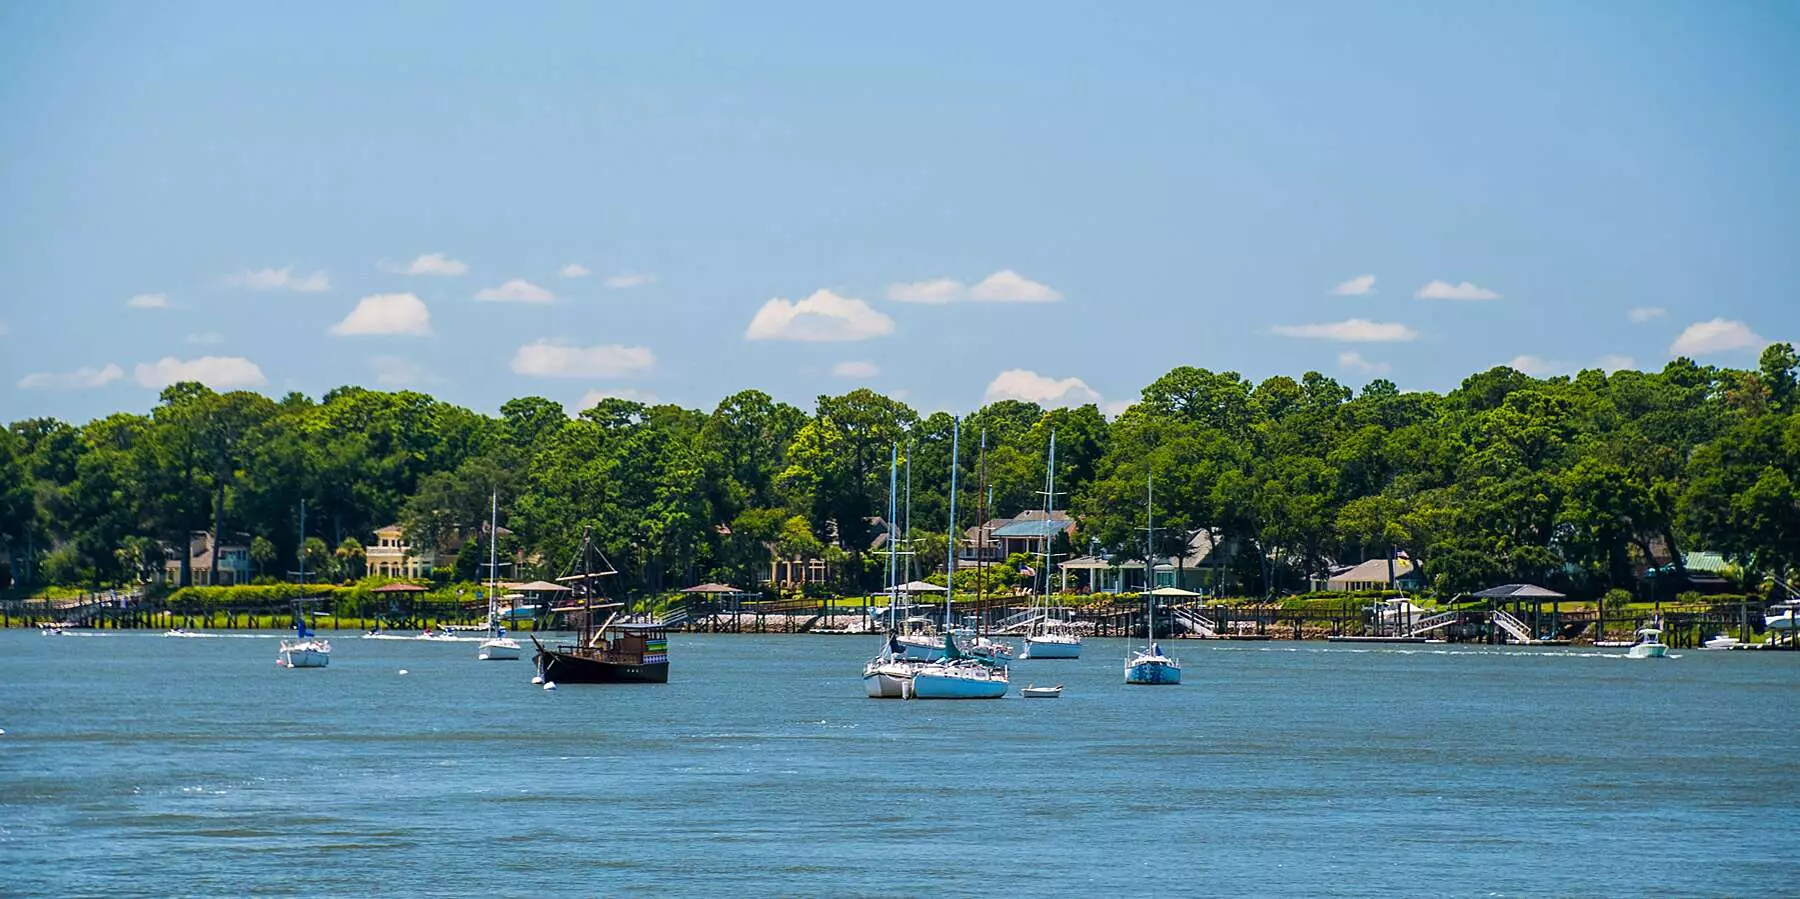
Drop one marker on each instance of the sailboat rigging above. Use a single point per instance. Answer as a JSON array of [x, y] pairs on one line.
[[1150, 666], [498, 647]]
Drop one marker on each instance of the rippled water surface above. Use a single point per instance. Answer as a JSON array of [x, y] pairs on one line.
[[134, 763]]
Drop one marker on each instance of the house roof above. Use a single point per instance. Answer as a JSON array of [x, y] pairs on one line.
[[1373, 571], [1035, 528], [1521, 591]]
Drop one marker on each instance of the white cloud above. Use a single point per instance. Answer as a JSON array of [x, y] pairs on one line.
[[1645, 313], [395, 371], [1361, 285], [575, 270], [429, 264], [1020, 384], [386, 313], [283, 278], [149, 301], [1004, 286], [1008, 286], [552, 359], [855, 370], [629, 279], [206, 338], [79, 379], [1354, 361], [1353, 330], [1535, 366], [1115, 408], [822, 317], [1613, 362], [936, 291], [518, 290], [593, 397], [1716, 336], [1444, 290], [217, 372]]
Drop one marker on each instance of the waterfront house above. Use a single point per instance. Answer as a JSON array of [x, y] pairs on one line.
[[392, 555], [997, 538], [232, 561], [1373, 575], [1201, 568]]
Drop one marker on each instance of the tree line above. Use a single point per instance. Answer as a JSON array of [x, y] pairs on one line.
[[1576, 482]]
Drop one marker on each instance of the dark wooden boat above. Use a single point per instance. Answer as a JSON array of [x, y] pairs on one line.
[[616, 654]]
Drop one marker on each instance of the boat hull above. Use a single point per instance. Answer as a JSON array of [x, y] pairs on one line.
[[1155, 672], [498, 651], [305, 656], [569, 668], [936, 685], [889, 681], [1648, 651], [1042, 648], [922, 649]]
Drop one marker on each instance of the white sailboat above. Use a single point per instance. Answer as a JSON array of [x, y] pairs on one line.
[[1051, 636], [957, 675], [1150, 667], [889, 674], [306, 650], [498, 647]]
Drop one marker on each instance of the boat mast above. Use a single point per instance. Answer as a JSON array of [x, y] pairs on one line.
[[493, 558], [950, 563], [1049, 506], [1149, 563], [893, 565], [981, 496], [302, 544], [907, 526]]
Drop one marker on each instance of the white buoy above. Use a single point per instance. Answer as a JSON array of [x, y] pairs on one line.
[[537, 679], [404, 672], [549, 685]]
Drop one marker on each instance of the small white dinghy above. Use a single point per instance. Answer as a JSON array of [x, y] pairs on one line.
[[1033, 691]]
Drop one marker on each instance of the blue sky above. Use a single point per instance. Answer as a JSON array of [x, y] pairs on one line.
[[945, 203]]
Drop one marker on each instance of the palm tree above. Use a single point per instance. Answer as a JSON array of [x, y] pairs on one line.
[[351, 557], [262, 552]]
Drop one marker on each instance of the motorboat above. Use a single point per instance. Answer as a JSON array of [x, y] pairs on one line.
[[1649, 644], [1033, 691], [1722, 641], [988, 650]]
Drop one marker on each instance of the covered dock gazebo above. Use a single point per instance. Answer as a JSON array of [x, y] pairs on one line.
[[1521, 595]]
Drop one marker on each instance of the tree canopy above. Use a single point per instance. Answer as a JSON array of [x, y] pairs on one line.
[[1581, 482]]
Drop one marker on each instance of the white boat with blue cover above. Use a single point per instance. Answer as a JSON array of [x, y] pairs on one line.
[[1152, 668]]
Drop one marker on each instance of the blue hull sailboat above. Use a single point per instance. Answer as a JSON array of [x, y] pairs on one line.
[[1150, 667]]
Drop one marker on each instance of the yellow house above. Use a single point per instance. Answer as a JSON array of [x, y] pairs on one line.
[[391, 556]]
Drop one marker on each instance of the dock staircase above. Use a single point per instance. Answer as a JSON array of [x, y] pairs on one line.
[[1194, 622], [1513, 627], [1431, 623], [1013, 625]]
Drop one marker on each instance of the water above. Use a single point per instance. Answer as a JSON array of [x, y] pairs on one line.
[[134, 763]]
